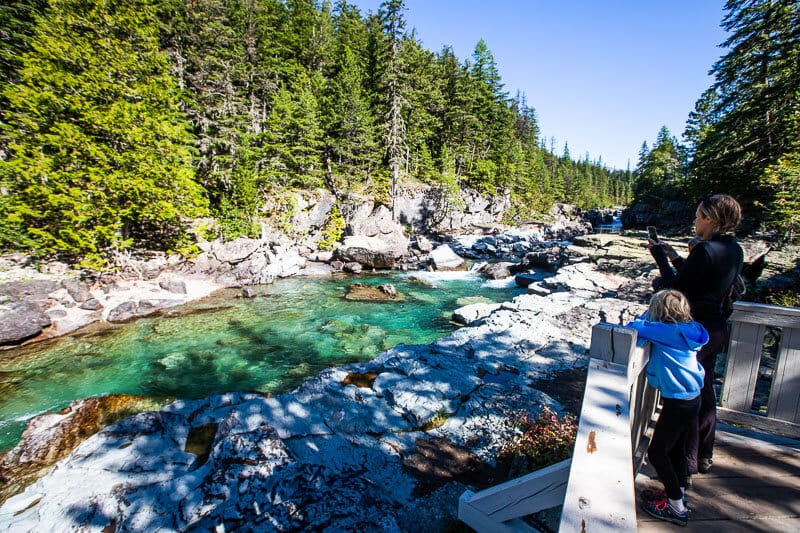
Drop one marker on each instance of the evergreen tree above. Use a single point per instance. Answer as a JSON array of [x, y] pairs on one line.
[[756, 97], [661, 170], [393, 23], [100, 152]]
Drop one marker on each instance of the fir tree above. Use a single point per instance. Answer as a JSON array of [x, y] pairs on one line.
[[100, 152]]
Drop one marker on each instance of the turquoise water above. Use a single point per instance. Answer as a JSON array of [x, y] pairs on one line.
[[293, 329]]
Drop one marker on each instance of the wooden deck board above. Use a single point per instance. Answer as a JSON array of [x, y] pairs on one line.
[[753, 485]]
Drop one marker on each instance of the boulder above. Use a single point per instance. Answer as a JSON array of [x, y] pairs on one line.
[[548, 260], [444, 258], [375, 241], [496, 270], [423, 244], [316, 269], [352, 268], [379, 222], [52, 436], [132, 309], [173, 285], [22, 321], [470, 314], [77, 289], [373, 252], [92, 304], [16, 291], [235, 251]]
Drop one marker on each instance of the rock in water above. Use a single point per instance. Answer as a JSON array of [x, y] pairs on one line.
[[52, 436], [444, 258], [362, 292]]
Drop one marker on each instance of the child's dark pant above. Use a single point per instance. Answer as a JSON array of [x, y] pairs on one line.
[[667, 451], [701, 439]]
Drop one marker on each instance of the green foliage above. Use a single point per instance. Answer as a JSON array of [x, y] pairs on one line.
[[747, 122], [661, 172], [787, 298], [123, 119], [782, 180], [543, 442], [99, 149], [333, 231]]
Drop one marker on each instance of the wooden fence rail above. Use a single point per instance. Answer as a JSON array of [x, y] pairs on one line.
[[596, 486]]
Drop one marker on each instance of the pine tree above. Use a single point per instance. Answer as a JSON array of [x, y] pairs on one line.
[[100, 152], [756, 97], [391, 15]]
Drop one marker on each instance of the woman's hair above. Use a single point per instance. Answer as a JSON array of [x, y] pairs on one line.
[[723, 210], [669, 306]]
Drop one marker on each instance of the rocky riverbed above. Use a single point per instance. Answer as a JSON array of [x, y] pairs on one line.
[[386, 445]]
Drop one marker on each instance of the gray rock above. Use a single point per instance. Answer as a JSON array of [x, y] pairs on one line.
[[177, 286], [123, 312], [77, 289], [235, 251], [444, 258], [352, 268], [496, 270], [17, 291], [22, 321], [131, 309], [424, 244], [91, 304], [373, 252], [470, 314], [248, 292], [316, 269]]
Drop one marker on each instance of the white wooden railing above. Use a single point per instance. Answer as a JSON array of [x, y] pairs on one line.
[[749, 325], [596, 486]]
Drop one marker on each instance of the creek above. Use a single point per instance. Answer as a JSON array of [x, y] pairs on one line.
[[271, 343]]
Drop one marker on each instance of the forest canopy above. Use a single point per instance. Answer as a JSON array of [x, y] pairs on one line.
[[122, 120], [743, 136]]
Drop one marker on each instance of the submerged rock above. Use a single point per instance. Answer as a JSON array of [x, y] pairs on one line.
[[362, 292], [51, 437]]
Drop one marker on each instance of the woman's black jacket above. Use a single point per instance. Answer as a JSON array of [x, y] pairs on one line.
[[705, 277]]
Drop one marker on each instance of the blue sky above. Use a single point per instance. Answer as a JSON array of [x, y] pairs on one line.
[[603, 75]]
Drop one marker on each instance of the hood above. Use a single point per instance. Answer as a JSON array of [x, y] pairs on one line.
[[682, 336]]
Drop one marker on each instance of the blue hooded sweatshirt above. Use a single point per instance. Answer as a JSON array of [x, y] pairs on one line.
[[673, 368]]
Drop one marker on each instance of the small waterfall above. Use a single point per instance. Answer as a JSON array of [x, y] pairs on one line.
[[476, 267]]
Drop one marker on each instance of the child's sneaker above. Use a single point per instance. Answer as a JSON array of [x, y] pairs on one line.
[[650, 495], [662, 510]]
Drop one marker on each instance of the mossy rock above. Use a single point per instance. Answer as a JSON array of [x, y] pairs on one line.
[[361, 292]]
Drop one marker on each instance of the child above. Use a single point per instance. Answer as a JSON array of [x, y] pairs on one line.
[[673, 369]]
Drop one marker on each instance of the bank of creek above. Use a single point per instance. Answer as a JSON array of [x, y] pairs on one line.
[[381, 431]]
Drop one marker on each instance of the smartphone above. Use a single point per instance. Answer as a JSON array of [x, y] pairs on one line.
[[652, 233]]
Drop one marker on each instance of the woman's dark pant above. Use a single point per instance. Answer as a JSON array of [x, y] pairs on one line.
[[700, 444], [667, 451]]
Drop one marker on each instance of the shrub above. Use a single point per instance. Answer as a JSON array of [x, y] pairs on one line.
[[333, 231], [543, 442]]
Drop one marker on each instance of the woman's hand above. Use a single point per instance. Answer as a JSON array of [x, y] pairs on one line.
[[669, 251]]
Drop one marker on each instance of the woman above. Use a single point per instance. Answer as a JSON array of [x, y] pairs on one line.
[[705, 277]]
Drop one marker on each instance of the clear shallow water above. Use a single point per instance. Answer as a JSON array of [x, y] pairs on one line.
[[293, 329]]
